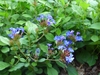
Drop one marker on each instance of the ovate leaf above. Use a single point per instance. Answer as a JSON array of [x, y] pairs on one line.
[[5, 50], [94, 38], [42, 60], [44, 48], [61, 64], [95, 26], [31, 27], [49, 37], [51, 71], [72, 70], [4, 41], [45, 3], [16, 67], [3, 65], [92, 60]]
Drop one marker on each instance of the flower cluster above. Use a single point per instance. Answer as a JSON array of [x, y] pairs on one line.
[[15, 31], [46, 19], [65, 45]]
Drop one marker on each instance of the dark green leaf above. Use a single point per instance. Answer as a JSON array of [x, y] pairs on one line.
[[61, 64], [51, 71], [71, 70]]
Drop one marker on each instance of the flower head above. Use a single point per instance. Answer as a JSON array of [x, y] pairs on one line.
[[15, 31], [59, 38], [69, 58], [46, 18]]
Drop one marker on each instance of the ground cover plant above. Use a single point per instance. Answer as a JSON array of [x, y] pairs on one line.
[[45, 36]]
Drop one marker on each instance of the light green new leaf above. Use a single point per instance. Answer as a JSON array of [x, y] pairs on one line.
[[44, 48], [94, 38], [31, 27], [5, 50], [4, 41], [95, 26], [51, 71], [3, 65], [71, 70], [49, 37]]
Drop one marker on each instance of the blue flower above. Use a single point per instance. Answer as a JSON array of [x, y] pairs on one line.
[[67, 42], [78, 38], [37, 52], [70, 33], [69, 58], [47, 18], [59, 38], [61, 47], [15, 31], [70, 49], [49, 45]]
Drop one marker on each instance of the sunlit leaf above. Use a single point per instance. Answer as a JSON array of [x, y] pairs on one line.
[[3, 65]]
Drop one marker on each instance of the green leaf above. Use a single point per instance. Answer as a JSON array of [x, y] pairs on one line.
[[42, 60], [92, 60], [27, 15], [45, 3], [61, 64], [44, 48], [20, 22], [58, 31], [34, 64], [51, 71], [4, 41], [16, 67], [71, 70], [95, 26], [18, 72], [23, 40], [3, 65], [58, 21], [94, 38], [48, 63], [31, 27], [78, 11], [22, 60], [84, 5], [5, 50], [27, 64], [1, 24], [63, 2], [49, 37]]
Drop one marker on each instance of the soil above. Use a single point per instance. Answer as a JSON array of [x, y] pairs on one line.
[[85, 69]]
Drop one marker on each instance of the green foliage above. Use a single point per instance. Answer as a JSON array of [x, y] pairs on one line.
[[19, 55]]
